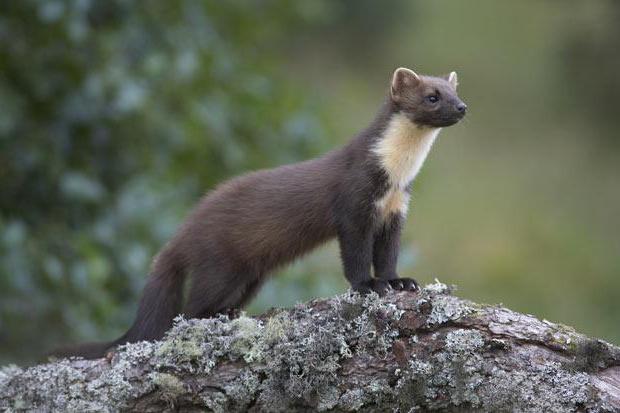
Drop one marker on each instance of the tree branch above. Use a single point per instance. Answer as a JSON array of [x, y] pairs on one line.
[[406, 352]]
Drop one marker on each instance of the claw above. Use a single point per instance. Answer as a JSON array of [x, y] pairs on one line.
[[382, 286], [405, 284], [397, 284]]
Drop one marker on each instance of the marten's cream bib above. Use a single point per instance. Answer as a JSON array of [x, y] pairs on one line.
[[401, 152]]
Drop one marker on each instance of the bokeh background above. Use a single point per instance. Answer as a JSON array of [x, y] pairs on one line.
[[116, 116]]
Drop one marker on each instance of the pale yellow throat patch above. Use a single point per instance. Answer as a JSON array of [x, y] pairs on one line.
[[401, 152]]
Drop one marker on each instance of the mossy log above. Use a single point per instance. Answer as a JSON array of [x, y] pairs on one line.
[[420, 351]]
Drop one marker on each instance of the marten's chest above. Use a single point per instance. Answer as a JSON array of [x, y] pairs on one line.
[[401, 152], [394, 201]]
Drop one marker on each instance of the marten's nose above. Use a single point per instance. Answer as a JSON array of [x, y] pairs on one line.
[[461, 107]]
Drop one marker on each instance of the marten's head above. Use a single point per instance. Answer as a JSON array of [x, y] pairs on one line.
[[427, 100]]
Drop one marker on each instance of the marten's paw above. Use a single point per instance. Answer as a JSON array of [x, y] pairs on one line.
[[232, 313], [382, 286], [378, 285], [404, 284]]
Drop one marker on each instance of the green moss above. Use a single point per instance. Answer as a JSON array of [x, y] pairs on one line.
[[247, 342], [277, 328], [170, 386], [185, 346], [181, 350]]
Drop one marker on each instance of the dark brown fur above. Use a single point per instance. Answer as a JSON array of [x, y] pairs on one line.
[[248, 226]]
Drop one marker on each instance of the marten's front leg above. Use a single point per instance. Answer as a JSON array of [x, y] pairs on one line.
[[356, 239], [385, 254]]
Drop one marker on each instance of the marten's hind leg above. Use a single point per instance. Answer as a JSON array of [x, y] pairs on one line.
[[210, 295], [235, 311]]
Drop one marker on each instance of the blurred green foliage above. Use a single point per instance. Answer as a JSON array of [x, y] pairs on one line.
[[115, 116]]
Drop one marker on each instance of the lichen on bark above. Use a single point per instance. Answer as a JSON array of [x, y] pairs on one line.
[[420, 351]]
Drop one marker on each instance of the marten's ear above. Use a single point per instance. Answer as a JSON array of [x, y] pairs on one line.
[[402, 80], [454, 81]]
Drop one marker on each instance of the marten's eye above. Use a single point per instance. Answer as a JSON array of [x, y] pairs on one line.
[[432, 98]]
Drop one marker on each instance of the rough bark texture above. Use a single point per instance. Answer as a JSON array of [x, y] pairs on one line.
[[406, 352]]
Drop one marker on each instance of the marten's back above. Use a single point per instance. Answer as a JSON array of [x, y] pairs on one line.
[[268, 217]]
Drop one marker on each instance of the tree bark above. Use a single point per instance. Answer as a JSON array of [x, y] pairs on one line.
[[420, 351]]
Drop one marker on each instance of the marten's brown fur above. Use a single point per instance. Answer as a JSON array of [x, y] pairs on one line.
[[248, 226]]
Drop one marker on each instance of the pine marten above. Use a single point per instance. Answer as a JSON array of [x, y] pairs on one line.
[[246, 227]]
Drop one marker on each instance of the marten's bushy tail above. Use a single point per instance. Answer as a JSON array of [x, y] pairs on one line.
[[161, 301]]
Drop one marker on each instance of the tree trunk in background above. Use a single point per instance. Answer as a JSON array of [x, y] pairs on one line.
[[406, 352]]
